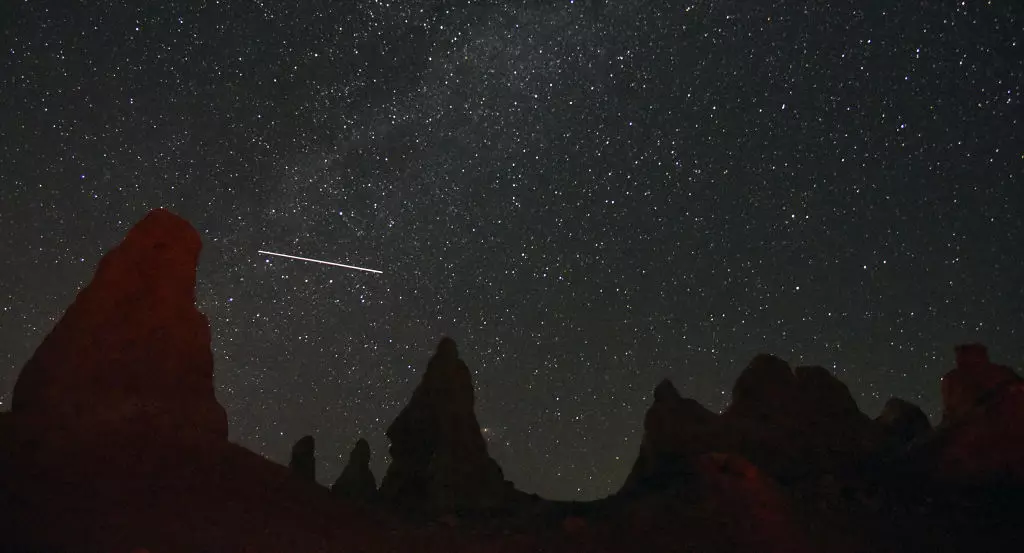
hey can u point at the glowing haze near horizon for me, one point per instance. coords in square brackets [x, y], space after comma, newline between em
[587, 196]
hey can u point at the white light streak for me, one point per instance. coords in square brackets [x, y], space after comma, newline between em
[321, 261]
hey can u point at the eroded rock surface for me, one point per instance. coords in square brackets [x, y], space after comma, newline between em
[132, 351]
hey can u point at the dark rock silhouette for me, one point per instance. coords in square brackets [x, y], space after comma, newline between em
[973, 378]
[765, 390]
[820, 394]
[794, 425]
[356, 481]
[768, 390]
[132, 352]
[797, 425]
[676, 429]
[439, 459]
[117, 443]
[903, 420]
[303, 460]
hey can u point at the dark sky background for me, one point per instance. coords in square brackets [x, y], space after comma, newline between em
[588, 196]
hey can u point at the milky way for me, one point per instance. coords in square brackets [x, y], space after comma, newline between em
[588, 196]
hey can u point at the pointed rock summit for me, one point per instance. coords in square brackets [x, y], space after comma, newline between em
[439, 457]
[676, 429]
[303, 461]
[132, 351]
[357, 481]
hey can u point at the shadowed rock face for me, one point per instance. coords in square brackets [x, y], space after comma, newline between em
[439, 457]
[797, 424]
[820, 394]
[675, 428]
[903, 420]
[764, 390]
[132, 351]
[791, 424]
[356, 480]
[303, 461]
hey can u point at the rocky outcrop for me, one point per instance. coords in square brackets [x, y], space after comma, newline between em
[797, 425]
[132, 352]
[675, 429]
[903, 421]
[303, 460]
[750, 507]
[116, 441]
[727, 504]
[769, 390]
[356, 481]
[439, 459]
[981, 438]
[765, 390]
[820, 395]
[793, 425]
[972, 380]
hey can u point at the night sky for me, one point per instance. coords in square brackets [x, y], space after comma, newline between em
[588, 196]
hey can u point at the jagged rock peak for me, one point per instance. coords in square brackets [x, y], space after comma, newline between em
[360, 452]
[356, 480]
[670, 408]
[904, 420]
[447, 381]
[132, 350]
[676, 429]
[439, 456]
[665, 391]
[303, 461]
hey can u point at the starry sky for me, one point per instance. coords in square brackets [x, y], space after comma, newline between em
[588, 196]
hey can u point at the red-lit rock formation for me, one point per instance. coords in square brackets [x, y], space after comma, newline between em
[981, 438]
[132, 352]
[116, 440]
[439, 459]
[973, 378]
[725, 503]
[356, 480]
[750, 509]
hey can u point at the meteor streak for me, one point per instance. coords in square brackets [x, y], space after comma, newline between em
[320, 261]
